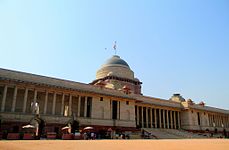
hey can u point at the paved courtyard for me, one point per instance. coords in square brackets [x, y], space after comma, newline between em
[203, 144]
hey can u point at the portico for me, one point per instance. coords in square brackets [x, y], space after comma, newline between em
[157, 117]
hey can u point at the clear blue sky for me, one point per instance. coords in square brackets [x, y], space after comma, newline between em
[173, 46]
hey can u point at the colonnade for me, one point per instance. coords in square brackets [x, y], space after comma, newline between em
[66, 103]
[149, 117]
[217, 120]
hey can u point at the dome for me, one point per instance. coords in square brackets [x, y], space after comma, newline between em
[115, 66]
[116, 61]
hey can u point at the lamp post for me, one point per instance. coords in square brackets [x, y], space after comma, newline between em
[215, 130]
[224, 131]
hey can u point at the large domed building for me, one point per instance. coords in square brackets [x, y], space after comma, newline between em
[112, 102]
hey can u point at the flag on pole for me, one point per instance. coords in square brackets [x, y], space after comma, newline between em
[115, 47]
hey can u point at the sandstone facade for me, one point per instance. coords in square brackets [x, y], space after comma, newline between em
[114, 100]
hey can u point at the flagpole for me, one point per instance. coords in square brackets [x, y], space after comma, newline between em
[115, 47]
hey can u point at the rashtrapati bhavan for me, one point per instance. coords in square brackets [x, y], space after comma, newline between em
[112, 102]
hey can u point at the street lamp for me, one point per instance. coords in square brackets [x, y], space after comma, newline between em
[215, 130]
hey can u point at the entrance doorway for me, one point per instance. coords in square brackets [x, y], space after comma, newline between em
[114, 110]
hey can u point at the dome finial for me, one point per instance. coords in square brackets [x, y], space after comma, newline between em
[115, 47]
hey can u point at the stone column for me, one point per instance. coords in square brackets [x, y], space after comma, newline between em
[218, 117]
[171, 119]
[137, 115]
[54, 103]
[70, 105]
[85, 107]
[4, 98]
[79, 103]
[46, 101]
[223, 120]
[147, 118]
[142, 118]
[160, 125]
[78, 113]
[34, 100]
[220, 124]
[14, 99]
[227, 121]
[216, 121]
[174, 120]
[178, 117]
[118, 108]
[219, 120]
[25, 100]
[167, 117]
[155, 117]
[212, 120]
[62, 105]
[151, 120]
[164, 119]
[35, 96]
[209, 120]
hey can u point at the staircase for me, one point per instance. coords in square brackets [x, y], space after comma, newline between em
[171, 134]
[136, 135]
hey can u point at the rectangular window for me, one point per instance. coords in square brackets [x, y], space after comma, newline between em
[101, 99]
[149, 123]
[153, 118]
[198, 115]
[162, 118]
[157, 114]
[82, 103]
[144, 117]
[119, 110]
[114, 109]
[169, 116]
[127, 102]
[89, 104]
[140, 116]
[136, 115]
